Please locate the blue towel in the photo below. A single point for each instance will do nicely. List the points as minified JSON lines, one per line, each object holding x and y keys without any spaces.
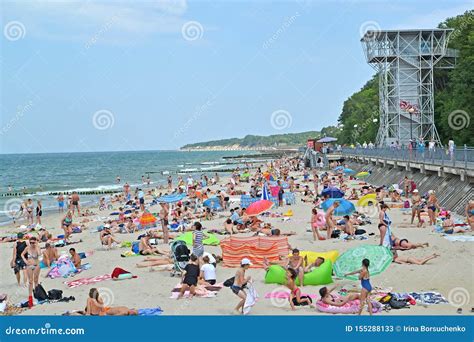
{"x":150,"y":312}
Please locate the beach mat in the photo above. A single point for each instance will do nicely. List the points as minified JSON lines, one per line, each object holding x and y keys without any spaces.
{"x":209,"y":239}
{"x":285,"y":295}
{"x":460,"y":238}
{"x":87,"y":281}
{"x":150,"y":312}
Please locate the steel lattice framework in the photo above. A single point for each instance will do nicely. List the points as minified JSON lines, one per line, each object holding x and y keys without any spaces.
{"x":405,"y":60}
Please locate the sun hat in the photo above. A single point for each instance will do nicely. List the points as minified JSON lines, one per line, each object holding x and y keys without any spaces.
{"x":245,"y":261}
{"x":416,"y":190}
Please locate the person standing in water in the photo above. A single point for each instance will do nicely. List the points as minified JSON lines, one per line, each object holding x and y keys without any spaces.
{"x":60,"y":200}
{"x":364,"y":277}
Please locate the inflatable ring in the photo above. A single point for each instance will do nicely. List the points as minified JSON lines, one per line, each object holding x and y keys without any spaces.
{"x":351,"y":307}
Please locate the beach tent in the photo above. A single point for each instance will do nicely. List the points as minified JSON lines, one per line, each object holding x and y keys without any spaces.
{"x":147,"y":220}
{"x":171,"y":198}
{"x":380,"y":258}
{"x":345,"y":207}
{"x":212,"y":203}
{"x":333,"y":192}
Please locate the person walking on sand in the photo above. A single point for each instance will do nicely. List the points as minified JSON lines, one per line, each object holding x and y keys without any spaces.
{"x":364,"y":277}
{"x":164,"y":214}
{"x":317,"y":221}
{"x":29,"y":211}
{"x":416,"y":208}
{"x":330,"y":222}
{"x":60,"y":200}
{"x":406,"y":186}
{"x":30,"y":256}
{"x":240,"y":280}
{"x":316,"y":183}
{"x":198,"y":237}
{"x":39,"y":212}
{"x":17,"y":262}
{"x":75,"y":203}
{"x":432,"y":204}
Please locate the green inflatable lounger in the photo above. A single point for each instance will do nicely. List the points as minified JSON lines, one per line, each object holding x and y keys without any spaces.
{"x":209,"y":239}
{"x":321,"y":275}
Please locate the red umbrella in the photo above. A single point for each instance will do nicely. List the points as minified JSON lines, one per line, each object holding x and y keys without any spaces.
{"x":258,"y":207}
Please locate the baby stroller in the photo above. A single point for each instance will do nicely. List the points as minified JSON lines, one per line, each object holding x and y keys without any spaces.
{"x":181,"y":255}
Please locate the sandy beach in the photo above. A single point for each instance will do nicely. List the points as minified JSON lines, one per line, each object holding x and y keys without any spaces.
{"x":452,"y":274}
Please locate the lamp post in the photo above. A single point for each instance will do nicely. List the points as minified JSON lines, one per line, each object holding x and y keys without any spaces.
{"x":411,"y":111}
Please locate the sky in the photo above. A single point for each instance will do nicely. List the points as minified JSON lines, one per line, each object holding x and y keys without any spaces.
{"x":88,"y":75}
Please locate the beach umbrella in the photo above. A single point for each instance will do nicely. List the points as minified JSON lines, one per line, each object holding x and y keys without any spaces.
{"x":212,"y":203}
{"x":333,"y":192}
{"x":171,"y":198}
{"x":337,"y":168}
{"x":362,"y":174}
{"x":380,"y":258}
{"x":259,"y":207}
{"x":147,"y":220}
{"x":265,"y":193}
{"x":364,"y":201}
{"x":345,"y":207}
{"x":348,"y":171}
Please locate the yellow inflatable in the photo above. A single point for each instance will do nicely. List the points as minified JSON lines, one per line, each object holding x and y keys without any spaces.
{"x":364,"y":201}
{"x":288,"y":213}
{"x":331,"y":255}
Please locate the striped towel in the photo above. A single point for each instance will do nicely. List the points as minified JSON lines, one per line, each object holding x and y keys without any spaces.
{"x":87,"y":281}
{"x":255,"y":248}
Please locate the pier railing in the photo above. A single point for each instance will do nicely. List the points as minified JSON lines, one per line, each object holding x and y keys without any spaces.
{"x":459,"y":157}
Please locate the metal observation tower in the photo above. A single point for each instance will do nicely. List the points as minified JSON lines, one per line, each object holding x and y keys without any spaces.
{"x":405,"y":60}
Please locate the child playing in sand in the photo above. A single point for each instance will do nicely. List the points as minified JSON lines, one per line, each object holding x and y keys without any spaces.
{"x":190,"y":277}
{"x":295,"y":295}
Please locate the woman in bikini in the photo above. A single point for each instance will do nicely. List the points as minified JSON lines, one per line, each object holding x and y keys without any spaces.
{"x":95,"y":307}
{"x":29,"y":211}
{"x":295,"y":294}
{"x":404,"y":244}
{"x":31,"y":256}
{"x":317,"y":221}
{"x":416,"y":208}
{"x":432,"y":205}
{"x":66,"y":224}
{"x":449,"y":226}
{"x":470,"y":214}
{"x":364,"y":277}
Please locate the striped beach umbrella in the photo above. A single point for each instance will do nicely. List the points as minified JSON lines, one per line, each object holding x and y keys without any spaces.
{"x":147,"y":220}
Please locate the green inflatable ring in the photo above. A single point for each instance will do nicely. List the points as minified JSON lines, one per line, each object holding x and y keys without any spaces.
{"x":321,"y":275}
{"x":210,"y":239}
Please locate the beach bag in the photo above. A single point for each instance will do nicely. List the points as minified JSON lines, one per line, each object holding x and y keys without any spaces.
{"x":406,"y":204}
{"x":55,"y":294}
{"x":398,"y":303}
{"x":136,"y":247}
{"x":335,"y":234}
{"x":39,"y":293}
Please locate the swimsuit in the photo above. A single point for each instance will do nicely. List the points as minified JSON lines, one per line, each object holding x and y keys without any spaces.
{"x":449,"y":231}
{"x":365,"y":283}
{"x":236,"y":289}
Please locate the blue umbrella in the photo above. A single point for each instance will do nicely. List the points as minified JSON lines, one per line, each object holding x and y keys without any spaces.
{"x":265,"y":194}
{"x":212,"y":203}
{"x":333,"y":192}
{"x":337,"y":168}
{"x":345,"y":207}
{"x":349,"y":171}
{"x":171,"y":198}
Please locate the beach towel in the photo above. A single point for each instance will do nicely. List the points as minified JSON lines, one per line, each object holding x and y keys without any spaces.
{"x":251,"y":299}
{"x":200,"y":291}
{"x":284,"y":295}
{"x":460,"y":238}
{"x":150,"y":312}
{"x":87,"y":281}
{"x":215,"y":288}
{"x":127,"y":254}
{"x":64,"y":267}
{"x":255,"y":248}
{"x":209,"y":239}
{"x":427,"y":298}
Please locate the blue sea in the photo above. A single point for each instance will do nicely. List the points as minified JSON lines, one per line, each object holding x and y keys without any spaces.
{"x":41,"y":174}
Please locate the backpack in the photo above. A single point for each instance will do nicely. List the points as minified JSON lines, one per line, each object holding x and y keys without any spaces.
{"x":39,"y":293}
{"x":55,"y":294}
{"x":398,"y":303}
{"x":136,"y":247}
{"x":229,"y":282}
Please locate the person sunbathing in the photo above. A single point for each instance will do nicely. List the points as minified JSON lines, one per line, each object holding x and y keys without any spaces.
{"x":411,"y":260}
{"x":50,"y":255}
{"x":155,"y":261}
{"x":315,"y":264}
{"x":107,"y":238}
{"x":145,"y":247}
{"x":450,"y":228}
{"x":404,"y":244}
{"x":269,"y":231}
{"x":95,"y":307}
{"x":229,"y":227}
{"x":329,"y":299}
